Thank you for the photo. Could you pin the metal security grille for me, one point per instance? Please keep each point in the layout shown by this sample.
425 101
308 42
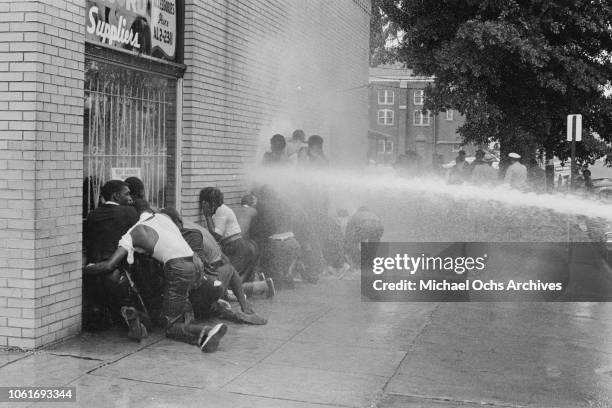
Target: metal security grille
127 117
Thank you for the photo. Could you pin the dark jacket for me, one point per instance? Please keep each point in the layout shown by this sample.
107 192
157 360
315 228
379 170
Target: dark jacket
104 228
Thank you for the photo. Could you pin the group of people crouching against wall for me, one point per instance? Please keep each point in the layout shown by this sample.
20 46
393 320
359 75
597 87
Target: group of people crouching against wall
146 267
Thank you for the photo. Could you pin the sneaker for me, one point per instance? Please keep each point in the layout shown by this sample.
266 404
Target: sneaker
224 304
211 341
271 290
136 330
251 318
223 310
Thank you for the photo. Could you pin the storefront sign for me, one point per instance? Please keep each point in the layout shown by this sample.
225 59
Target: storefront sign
163 21
144 26
121 173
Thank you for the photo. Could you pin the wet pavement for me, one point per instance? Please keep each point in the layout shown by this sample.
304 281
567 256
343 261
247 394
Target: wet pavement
323 347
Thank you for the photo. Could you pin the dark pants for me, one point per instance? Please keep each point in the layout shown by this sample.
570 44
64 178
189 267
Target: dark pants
243 256
203 297
180 274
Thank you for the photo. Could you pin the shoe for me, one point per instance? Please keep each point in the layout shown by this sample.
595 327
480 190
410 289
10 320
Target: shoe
223 310
136 330
251 318
231 297
271 290
224 304
211 341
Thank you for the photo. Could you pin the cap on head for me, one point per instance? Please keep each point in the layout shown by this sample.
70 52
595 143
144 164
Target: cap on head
514 155
461 153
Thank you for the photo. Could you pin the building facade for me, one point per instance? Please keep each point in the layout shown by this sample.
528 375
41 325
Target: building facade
398 124
183 94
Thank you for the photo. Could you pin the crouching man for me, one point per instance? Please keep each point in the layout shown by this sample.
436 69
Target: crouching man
217 270
157 236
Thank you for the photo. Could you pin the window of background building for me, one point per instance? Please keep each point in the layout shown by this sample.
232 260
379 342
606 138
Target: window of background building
385 117
449 115
421 119
418 97
389 146
386 97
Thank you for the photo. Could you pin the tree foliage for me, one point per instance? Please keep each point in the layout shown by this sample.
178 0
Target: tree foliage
514 68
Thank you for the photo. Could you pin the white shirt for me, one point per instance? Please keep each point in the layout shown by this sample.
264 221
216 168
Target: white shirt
170 243
516 176
226 223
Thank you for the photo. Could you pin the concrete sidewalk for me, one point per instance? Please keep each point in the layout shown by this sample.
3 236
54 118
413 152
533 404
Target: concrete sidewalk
323 347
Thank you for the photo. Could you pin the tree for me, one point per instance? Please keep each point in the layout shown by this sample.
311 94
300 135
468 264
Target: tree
382 29
514 68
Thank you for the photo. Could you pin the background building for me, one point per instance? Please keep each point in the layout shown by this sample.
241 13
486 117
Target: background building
398 124
183 94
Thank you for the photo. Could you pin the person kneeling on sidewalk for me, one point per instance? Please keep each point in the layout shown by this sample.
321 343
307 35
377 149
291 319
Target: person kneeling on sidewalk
215 268
157 236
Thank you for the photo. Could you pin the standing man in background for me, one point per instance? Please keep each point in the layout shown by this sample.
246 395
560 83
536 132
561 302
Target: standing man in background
516 174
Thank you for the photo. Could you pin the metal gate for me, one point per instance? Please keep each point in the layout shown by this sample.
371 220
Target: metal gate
127 117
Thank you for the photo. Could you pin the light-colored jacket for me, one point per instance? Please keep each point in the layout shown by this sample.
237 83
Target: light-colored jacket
516 176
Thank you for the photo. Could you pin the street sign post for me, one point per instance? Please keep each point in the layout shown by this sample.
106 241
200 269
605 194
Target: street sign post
574 134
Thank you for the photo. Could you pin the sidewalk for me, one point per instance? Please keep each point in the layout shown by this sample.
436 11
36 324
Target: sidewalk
323 347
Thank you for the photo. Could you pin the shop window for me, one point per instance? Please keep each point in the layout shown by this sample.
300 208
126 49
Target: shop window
129 130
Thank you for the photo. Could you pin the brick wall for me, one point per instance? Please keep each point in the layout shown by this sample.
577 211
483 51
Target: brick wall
41 110
255 68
